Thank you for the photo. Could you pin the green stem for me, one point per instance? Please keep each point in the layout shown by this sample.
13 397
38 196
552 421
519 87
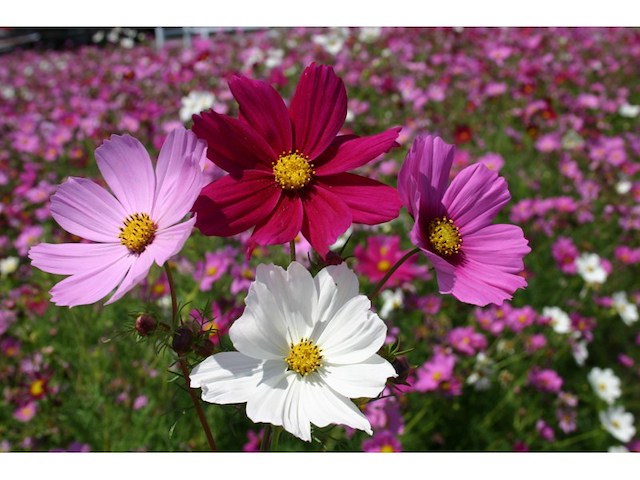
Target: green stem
292 251
391 271
183 365
265 445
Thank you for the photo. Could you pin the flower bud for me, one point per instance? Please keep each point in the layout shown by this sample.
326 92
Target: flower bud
145 325
182 340
402 367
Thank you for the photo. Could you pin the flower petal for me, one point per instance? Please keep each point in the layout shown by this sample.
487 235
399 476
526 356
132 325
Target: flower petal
318 109
170 241
352 335
87 210
370 201
231 204
138 272
126 167
325 406
179 177
92 285
282 225
364 379
233 145
72 258
474 197
326 217
336 285
425 172
227 377
353 153
263 108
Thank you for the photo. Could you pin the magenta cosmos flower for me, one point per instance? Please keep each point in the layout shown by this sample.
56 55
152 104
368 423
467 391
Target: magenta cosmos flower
475 261
137 225
287 166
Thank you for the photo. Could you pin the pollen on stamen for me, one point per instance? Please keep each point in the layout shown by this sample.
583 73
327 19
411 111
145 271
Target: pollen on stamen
444 236
138 232
293 170
304 357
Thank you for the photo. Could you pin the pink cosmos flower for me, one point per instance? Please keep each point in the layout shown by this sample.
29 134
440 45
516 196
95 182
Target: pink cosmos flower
466 340
137 225
545 380
382 442
287 166
479 263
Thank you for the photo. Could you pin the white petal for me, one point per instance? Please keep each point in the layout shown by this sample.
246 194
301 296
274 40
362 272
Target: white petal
227 377
336 284
353 334
325 406
365 379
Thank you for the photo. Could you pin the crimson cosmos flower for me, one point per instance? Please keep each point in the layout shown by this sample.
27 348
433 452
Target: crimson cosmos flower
287 166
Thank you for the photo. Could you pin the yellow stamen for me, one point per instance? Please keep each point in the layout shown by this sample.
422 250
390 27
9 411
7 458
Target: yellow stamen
384 265
138 232
304 357
37 388
444 236
293 170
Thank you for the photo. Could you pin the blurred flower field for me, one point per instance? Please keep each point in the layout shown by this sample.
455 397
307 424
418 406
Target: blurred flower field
555 111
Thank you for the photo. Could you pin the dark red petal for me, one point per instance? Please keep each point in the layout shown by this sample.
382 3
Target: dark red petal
231 205
318 109
356 152
370 201
282 225
326 217
263 108
232 144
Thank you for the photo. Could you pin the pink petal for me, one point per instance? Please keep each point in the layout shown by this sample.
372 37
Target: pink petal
326 217
72 258
126 167
263 108
87 210
233 145
233 204
346 155
370 202
425 172
474 198
318 109
92 285
138 272
445 272
179 176
170 241
282 225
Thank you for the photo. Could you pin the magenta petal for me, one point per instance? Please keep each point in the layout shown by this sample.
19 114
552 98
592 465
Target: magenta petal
126 167
425 172
232 144
87 210
370 201
493 259
92 285
170 241
445 272
72 258
263 108
282 225
474 197
357 152
318 109
231 205
326 217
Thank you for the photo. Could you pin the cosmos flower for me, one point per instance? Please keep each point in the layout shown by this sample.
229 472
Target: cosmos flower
605 383
287 166
618 423
130 229
305 347
475 261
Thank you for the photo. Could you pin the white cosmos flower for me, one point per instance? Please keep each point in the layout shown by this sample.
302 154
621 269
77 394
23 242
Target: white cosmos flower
590 268
627 310
305 347
391 300
618 423
195 103
605 384
8 266
560 321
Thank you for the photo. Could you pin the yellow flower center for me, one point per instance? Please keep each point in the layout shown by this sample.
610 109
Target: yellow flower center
37 388
384 265
304 357
444 236
387 449
211 271
137 233
293 170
